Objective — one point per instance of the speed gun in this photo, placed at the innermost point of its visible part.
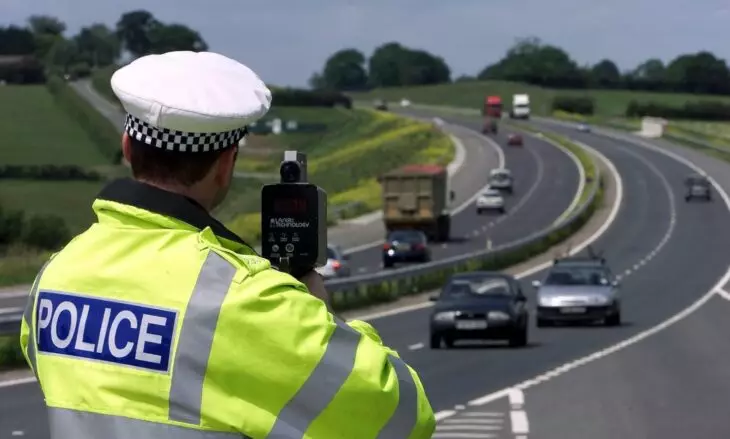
(294, 219)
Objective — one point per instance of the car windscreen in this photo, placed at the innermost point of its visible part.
(595, 276)
(484, 287)
(409, 237)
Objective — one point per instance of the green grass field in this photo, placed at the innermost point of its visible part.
(471, 95)
(34, 132)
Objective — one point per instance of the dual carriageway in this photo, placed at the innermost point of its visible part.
(645, 378)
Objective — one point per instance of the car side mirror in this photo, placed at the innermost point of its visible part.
(452, 195)
(433, 298)
(536, 283)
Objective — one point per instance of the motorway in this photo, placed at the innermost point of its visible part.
(668, 254)
(546, 182)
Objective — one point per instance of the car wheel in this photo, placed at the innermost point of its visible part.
(519, 339)
(542, 323)
(435, 341)
(448, 342)
(479, 211)
(687, 198)
(501, 210)
(614, 320)
(387, 264)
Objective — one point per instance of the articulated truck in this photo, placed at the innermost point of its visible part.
(417, 197)
(492, 112)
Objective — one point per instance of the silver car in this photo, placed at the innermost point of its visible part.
(578, 290)
(337, 265)
(501, 179)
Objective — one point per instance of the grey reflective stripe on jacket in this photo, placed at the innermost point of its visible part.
(74, 424)
(190, 367)
(28, 317)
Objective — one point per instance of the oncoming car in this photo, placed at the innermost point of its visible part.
(583, 127)
(698, 186)
(490, 199)
(479, 305)
(405, 246)
(501, 179)
(578, 290)
(337, 264)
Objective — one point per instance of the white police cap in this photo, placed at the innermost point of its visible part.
(189, 101)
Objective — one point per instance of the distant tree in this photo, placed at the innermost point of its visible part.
(652, 70)
(16, 40)
(134, 31)
(344, 70)
(393, 65)
(316, 81)
(531, 61)
(98, 45)
(701, 72)
(605, 74)
(166, 38)
(46, 25)
(48, 32)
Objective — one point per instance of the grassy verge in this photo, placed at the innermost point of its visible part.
(345, 161)
(471, 95)
(10, 354)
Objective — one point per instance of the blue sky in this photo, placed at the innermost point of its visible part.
(285, 41)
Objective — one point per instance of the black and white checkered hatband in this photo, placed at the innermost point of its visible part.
(181, 141)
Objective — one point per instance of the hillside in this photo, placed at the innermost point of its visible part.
(609, 103)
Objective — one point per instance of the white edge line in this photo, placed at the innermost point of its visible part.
(459, 146)
(530, 271)
(717, 288)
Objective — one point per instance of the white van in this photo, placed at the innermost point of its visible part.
(520, 106)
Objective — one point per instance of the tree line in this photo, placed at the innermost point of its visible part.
(30, 53)
(530, 61)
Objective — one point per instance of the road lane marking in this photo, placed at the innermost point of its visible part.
(416, 346)
(717, 289)
(520, 425)
(618, 202)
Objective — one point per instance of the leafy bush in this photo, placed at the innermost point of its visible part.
(293, 97)
(97, 127)
(574, 104)
(10, 353)
(48, 172)
(27, 70)
(48, 232)
(703, 110)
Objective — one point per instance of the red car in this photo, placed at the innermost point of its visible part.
(514, 139)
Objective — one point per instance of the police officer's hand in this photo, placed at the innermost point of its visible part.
(315, 285)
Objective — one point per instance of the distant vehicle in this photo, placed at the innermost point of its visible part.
(490, 199)
(583, 127)
(698, 186)
(337, 264)
(520, 106)
(405, 103)
(492, 112)
(501, 179)
(405, 246)
(482, 306)
(514, 139)
(417, 197)
(380, 105)
(578, 289)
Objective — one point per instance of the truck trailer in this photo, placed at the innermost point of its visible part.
(417, 197)
(492, 112)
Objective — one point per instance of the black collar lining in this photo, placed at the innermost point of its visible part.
(153, 199)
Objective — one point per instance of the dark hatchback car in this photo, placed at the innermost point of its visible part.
(405, 246)
(480, 306)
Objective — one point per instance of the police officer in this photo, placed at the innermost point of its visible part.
(158, 322)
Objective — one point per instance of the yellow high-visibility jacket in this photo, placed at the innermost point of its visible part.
(158, 322)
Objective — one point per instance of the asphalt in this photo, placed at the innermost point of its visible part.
(664, 267)
(546, 181)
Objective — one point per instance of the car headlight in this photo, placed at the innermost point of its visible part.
(445, 316)
(545, 301)
(498, 315)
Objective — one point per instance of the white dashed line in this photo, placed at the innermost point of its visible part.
(416, 346)
(519, 422)
(17, 433)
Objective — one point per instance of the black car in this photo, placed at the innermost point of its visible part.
(405, 246)
(698, 186)
(480, 306)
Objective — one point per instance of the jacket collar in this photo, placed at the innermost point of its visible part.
(147, 197)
